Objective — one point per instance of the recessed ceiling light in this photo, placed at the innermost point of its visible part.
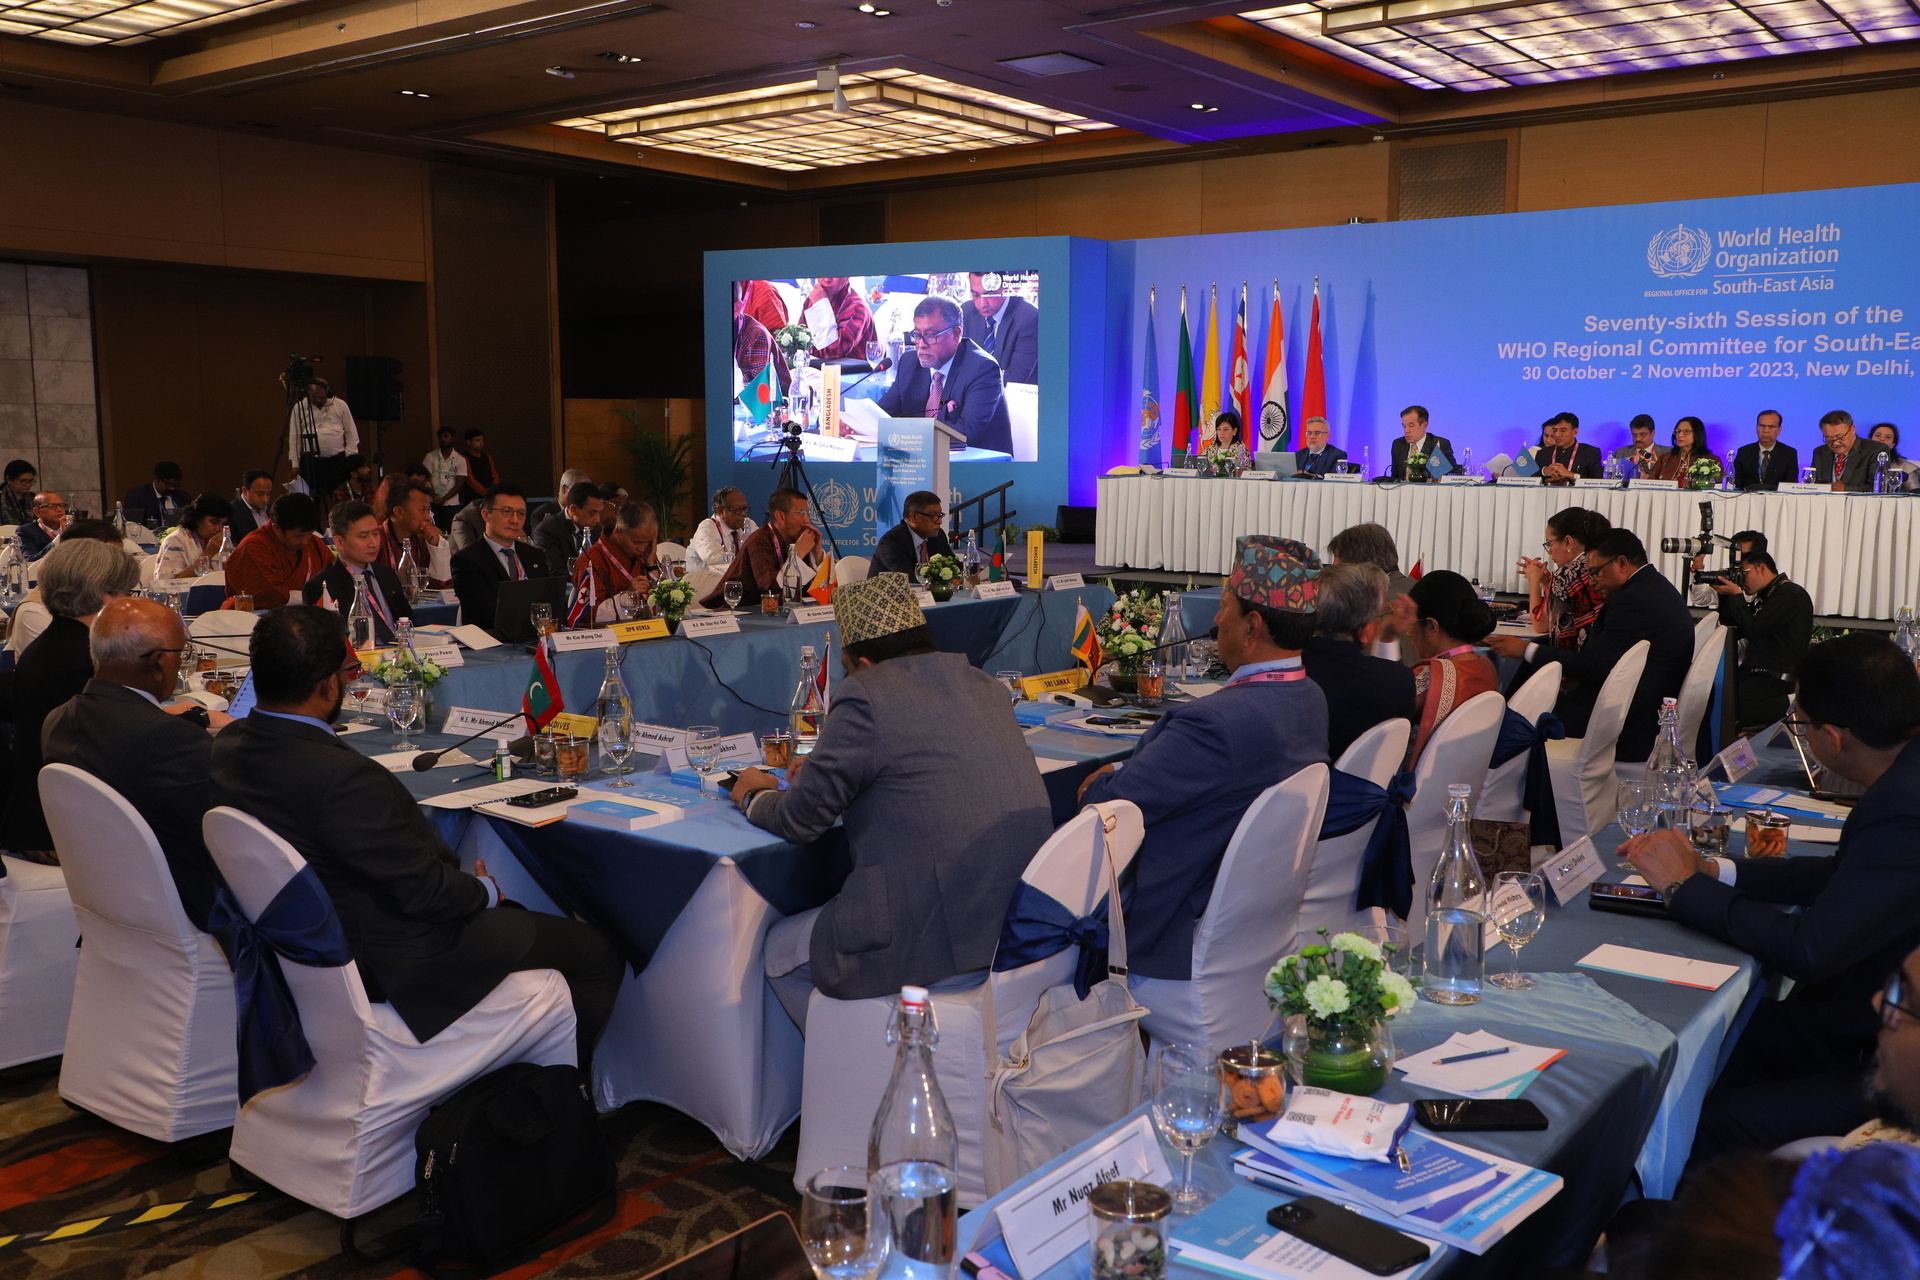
(806, 26)
(1201, 106)
(414, 93)
(878, 13)
(619, 57)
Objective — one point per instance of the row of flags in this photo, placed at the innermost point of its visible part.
(1195, 405)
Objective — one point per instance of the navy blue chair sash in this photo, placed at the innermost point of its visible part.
(300, 925)
(1386, 870)
(1037, 926)
(1516, 735)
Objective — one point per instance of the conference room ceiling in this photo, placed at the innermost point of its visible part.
(731, 91)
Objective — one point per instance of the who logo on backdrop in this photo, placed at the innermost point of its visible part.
(1679, 252)
(839, 502)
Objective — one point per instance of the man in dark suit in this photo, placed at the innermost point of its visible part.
(160, 502)
(906, 546)
(950, 379)
(430, 939)
(1006, 328)
(253, 508)
(1415, 440)
(50, 517)
(1773, 621)
(1640, 605)
(565, 535)
(1562, 458)
(1797, 1069)
(1191, 773)
(1316, 457)
(1766, 462)
(357, 567)
(931, 881)
(116, 730)
(478, 570)
(1859, 459)
(1350, 601)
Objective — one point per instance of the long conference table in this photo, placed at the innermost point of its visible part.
(1858, 554)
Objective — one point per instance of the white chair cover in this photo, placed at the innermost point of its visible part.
(1251, 920)
(1503, 798)
(851, 569)
(1334, 873)
(677, 550)
(848, 1060)
(1458, 752)
(341, 1139)
(1584, 788)
(1697, 691)
(225, 631)
(150, 1044)
(704, 581)
(1704, 628)
(217, 578)
(37, 961)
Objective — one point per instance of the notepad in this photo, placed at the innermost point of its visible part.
(1814, 835)
(402, 761)
(1503, 1075)
(1198, 690)
(1659, 966)
(1049, 765)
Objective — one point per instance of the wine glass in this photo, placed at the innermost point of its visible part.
(1519, 909)
(1639, 812)
(703, 748)
(615, 746)
(359, 690)
(403, 709)
(733, 593)
(542, 618)
(1012, 680)
(1189, 1102)
(843, 1237)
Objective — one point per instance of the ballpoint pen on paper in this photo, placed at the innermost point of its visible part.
(1469, 1057)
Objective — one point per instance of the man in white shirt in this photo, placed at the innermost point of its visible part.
(447, 472)
(320, 435)
(720, 536)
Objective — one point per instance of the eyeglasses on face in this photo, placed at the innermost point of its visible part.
(1893, 1001)
(149, 653)
(509, 513)
(921, 338)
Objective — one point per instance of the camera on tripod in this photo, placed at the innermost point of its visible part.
(1702, 544)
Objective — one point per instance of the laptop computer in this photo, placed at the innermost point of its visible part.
(513, 611)
(1280, 462)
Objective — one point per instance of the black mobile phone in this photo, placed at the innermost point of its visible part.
(1627, 899)
(551, 795)
(1463, 1114)
(1106, 720)
(1347, 1236)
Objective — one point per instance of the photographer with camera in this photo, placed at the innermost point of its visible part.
(1704, 582)
(1773, 620)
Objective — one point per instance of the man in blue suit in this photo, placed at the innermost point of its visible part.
(951, 380)
(1198, 769)
(1316, 457)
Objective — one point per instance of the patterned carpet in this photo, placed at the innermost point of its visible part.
(679, 1191)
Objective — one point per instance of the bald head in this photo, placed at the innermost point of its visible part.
(137, 643)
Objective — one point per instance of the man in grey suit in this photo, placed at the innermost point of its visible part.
(931, 879)
(1859, 459)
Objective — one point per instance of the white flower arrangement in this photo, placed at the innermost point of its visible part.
(1344, 979)
(671, 596)
(1131, 627)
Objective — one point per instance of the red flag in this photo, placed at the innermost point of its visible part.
(1240, 378)
(1313, 394)
(1418, 571)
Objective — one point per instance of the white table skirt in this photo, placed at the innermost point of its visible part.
(698, 1030)
(1857, 554)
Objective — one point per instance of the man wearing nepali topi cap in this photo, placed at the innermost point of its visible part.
(1198, 769)
(943, 804)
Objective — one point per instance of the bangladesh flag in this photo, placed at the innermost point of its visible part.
(1184, 402)
(997, 568)
(761, 395)
(543, 699)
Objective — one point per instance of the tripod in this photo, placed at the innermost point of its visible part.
(793, 475)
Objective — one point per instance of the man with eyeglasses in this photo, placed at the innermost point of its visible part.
(49, 517)
(919, 535)
(1894, 1089)
(720, 536)
(951, 379)
(501, 556)
(1796, 1070)
(156, 757)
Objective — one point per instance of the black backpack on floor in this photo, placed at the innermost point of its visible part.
(504, 1164)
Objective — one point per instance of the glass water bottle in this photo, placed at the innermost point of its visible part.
(1456, 911)
(808, 708)
(913, 1150)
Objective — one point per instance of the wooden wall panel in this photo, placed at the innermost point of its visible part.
(1857, 139)
(1121, 204)
(1678, 155)
(1295, 189)
(991, 209)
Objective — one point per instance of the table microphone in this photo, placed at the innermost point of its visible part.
(1213, 633)
(427, 759)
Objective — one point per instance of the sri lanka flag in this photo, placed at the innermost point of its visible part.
(542, 700)
(1086, 645)
(761, 395)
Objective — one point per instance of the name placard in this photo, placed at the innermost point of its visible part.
(736, 749)
(594, 638)
(1185, 472)
(1457, 477)
(1738, 759)
(1047, 1222)
(1530, 481)
(1258, 475)
(722, 624)
(578, 725)
(922, 597)
(808, 613)
(1590, 482)
(994, 591)
(1794, 486)
(647, 629)
(1345, 477)
(659, 736)
(1066, 581)
(830, 448)
(1037, 687)
(175, 586)
(1571, 870)
(465, 720)
(447, 655)
(1641, 482)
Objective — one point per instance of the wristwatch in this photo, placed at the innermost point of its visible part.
(1666, 890)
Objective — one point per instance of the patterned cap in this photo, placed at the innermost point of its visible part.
(1275, 572)
(877, 606)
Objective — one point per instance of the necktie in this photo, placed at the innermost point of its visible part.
(511, 563)
(923, 552)
(993, 322)
(1764, 455)
(934, 391)
(1839, 465)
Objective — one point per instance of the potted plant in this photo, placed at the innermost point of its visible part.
(670, 597)
(941, 574)
(1337, 996)
(1127, 632)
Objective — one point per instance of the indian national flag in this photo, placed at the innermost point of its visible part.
(1086, 645)
(543, 700)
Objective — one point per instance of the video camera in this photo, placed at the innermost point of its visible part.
(1703, 545)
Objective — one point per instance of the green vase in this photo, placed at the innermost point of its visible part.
(940, 591)
(1347, 1057)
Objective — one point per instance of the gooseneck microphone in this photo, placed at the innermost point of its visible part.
(427, 759)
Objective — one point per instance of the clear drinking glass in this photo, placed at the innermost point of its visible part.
(1189, 1102)
(1012, 680)
(615, 747)
(546, 755)
(1519, 909)
(1152, 683)
(1639, 812)
(1393, 944)
(542, 618)
(570, 751)
(703, 748)
(359, 691)
(733, 593)
(403, 709)
(843, 1236)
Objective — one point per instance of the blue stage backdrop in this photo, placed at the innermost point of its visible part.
(1801, 302)
(1075, 436)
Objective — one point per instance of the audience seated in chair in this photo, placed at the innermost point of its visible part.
(1450, 618)
(1196, 771)
(429, 938)
(1361, 690)
(931, 878)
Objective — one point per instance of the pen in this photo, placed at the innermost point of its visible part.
(1469, 1057)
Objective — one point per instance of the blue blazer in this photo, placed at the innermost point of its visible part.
(1193, 776)
(35, 540)
(974, 397)
(1305, 464)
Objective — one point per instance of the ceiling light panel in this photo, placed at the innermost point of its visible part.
(890, 115)
(120, 21)
(1435, 44)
